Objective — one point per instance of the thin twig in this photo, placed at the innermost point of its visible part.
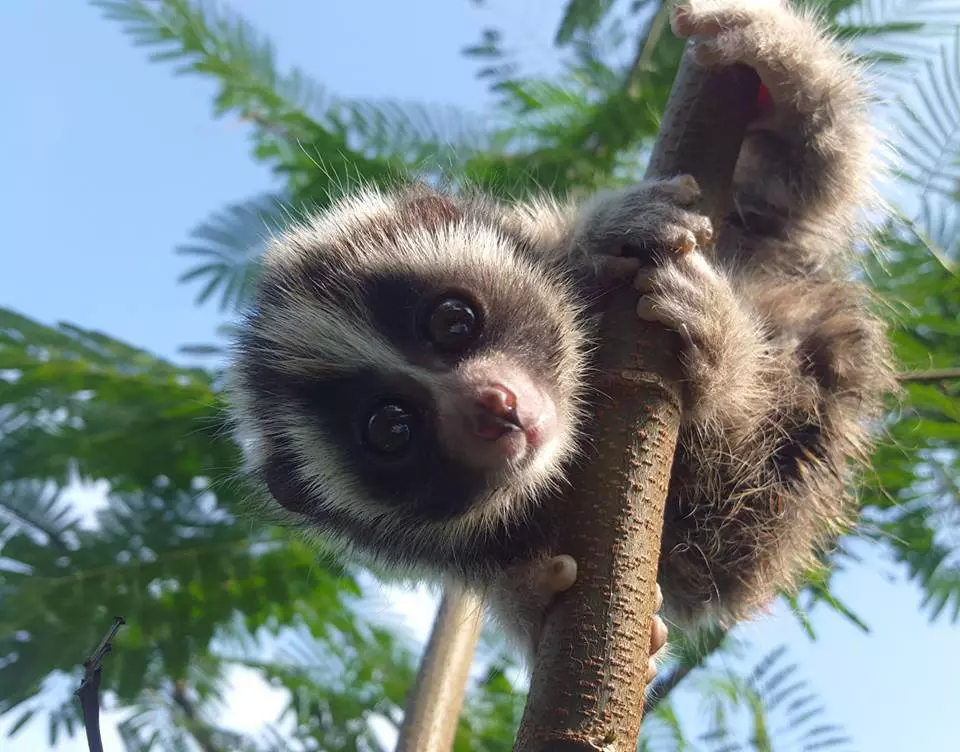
(646, 44)
(645, 47)
(89, 690)
(664, 685)
(934, 374)
(198, 730)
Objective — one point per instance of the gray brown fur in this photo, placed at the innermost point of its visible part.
(786, 367)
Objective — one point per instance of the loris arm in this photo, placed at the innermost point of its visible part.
(784, 364)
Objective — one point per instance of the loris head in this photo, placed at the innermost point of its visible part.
(408, 379)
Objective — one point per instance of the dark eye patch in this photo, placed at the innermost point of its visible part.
(508, 543)
(425, 480)
(513, 319)
(395, 304)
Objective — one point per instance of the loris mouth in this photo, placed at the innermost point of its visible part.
(496, 414)
(493, 427)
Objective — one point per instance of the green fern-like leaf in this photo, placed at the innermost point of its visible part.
(770, 708)
(228, 246)
(931, 124)
(314, 139)
(36, 507)
(580, 15)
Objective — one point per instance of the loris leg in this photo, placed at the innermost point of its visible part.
(521, 597)
(753, 493)
(773, 409)
(805, 165)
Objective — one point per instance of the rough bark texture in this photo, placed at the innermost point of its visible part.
(587, 688)
(433, 707)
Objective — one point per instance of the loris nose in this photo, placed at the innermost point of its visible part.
(497, 413)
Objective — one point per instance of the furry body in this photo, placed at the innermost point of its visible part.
(785, 368)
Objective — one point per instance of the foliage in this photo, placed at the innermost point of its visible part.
(204, 592)
(769, 708)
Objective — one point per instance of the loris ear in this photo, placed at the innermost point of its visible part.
(423, 206)
(431, 211)
(281, 480)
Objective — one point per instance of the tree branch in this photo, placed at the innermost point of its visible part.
(934, 374)
(645, 47)
(588, 684)
(433, 708)
(89, 691)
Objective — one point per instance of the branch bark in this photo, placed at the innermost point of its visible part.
(587, 689)
(433, 707)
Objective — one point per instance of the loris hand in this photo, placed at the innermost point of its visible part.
(620, 232)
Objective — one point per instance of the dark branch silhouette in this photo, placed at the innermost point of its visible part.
(89, 690)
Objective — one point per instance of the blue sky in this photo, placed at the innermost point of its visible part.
(109, 161)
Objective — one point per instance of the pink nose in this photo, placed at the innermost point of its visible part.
(496, 413)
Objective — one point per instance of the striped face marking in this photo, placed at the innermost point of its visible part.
(406, 367)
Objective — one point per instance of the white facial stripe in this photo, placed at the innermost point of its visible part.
(313, 339)
(330, 226)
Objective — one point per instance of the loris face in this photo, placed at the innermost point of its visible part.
(408, 379)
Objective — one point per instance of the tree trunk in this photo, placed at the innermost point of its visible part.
(588, 684)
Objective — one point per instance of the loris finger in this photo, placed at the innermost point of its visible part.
(776, 44)
(611, 270)
(701, 18)
(658, 640)
(683, 188)
(556, 575)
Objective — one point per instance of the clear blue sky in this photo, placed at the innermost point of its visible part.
(109, 161)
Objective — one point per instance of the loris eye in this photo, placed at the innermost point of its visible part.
(453, 324)
(390, 429)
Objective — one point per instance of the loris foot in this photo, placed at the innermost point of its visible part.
(624, 230)
(658, 641)
(560, 572)
(763, 34)
(723, 343)
(554, 576)
(521, 597)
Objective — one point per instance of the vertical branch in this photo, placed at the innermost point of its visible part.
(587, 689)
(433, 708)
(89, 691)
